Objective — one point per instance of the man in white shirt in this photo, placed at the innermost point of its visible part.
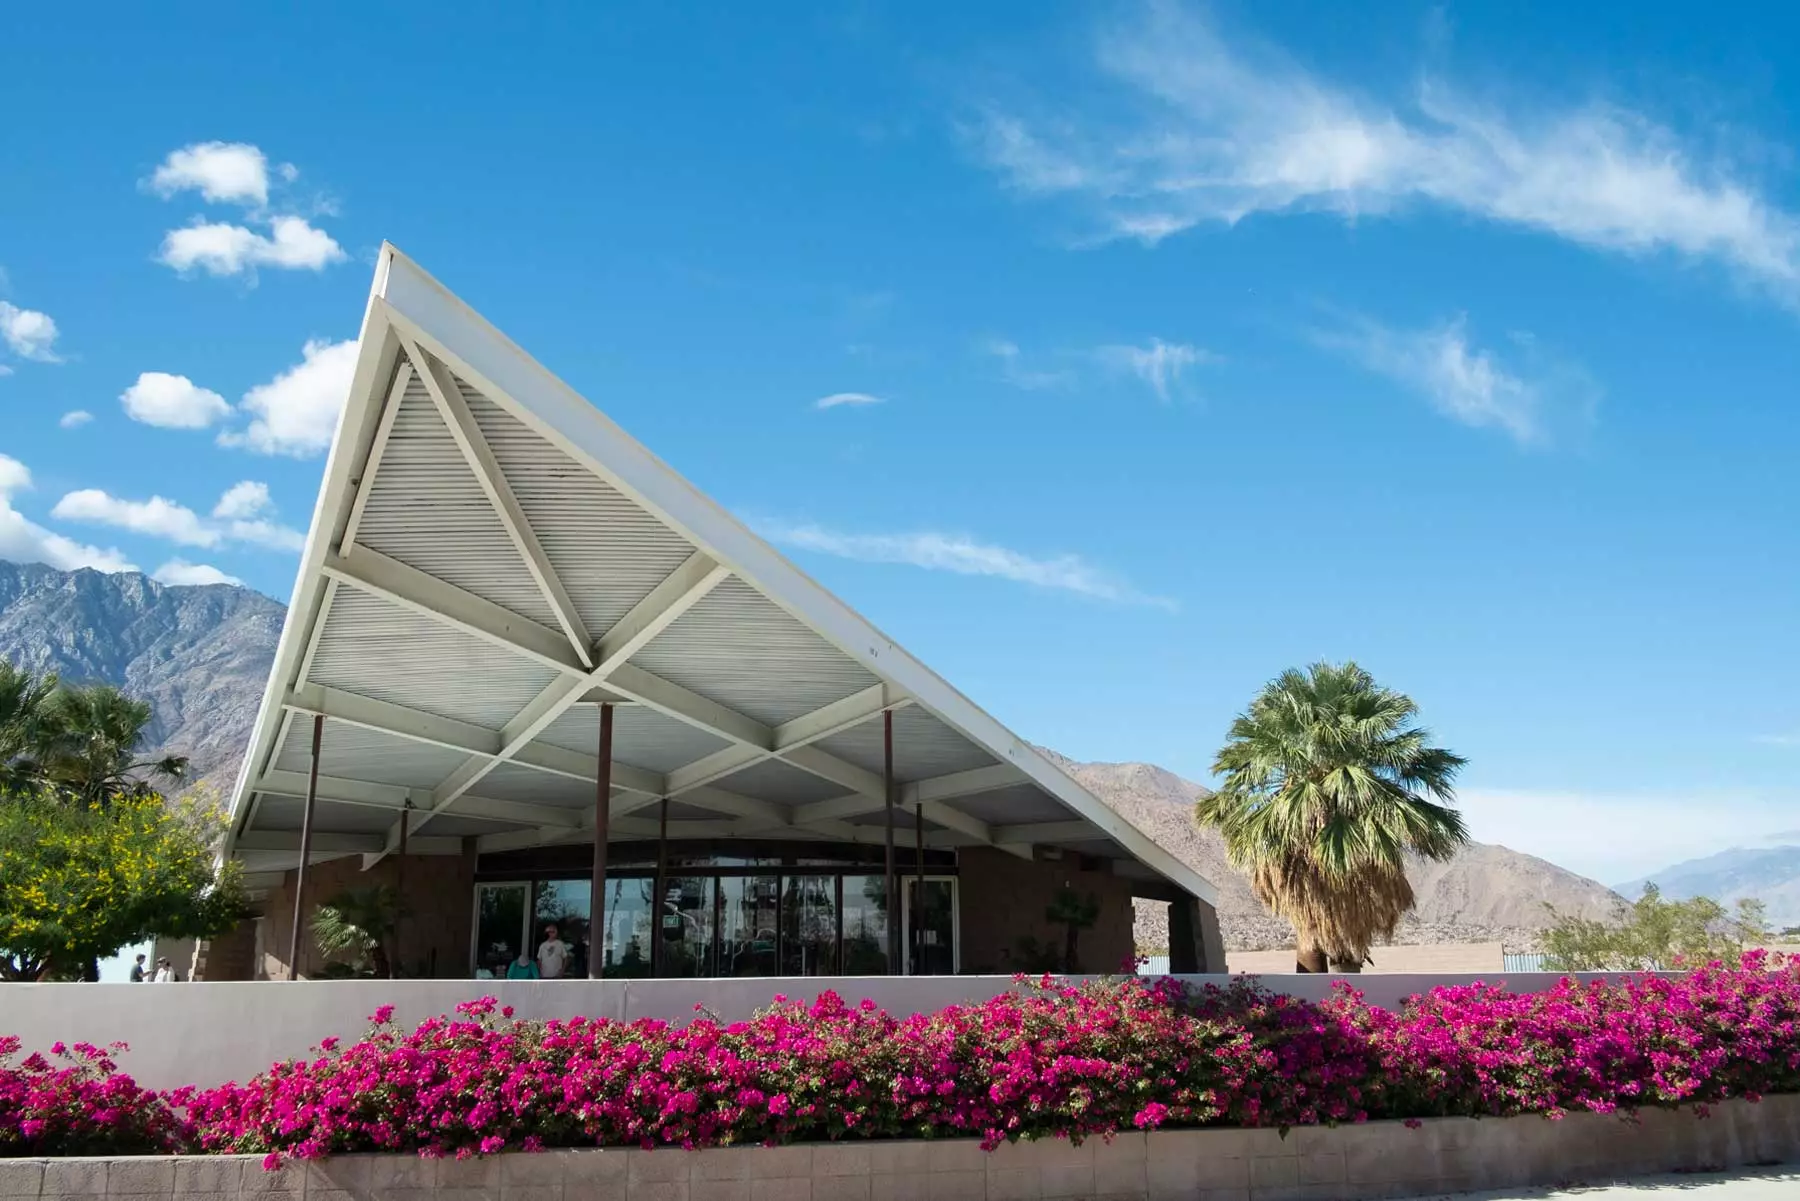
(165, 972)
(552, 955)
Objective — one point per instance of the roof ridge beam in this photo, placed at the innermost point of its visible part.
(474, 446)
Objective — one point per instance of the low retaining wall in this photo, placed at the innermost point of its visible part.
(1346, 1163)
(208, 1033)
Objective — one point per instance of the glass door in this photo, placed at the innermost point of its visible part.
(809, 926)
(687, 922)
(748, 907)
(500, 927)
(930, 938)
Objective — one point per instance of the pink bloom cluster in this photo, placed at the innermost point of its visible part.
(75, 1101)
(1046, 1060)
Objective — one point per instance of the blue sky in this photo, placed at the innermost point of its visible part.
(1169, 345)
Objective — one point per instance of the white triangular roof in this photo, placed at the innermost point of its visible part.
(490, 555)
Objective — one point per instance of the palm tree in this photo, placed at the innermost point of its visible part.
(88, 740)
(1328, 787)
(22, 702)
(363, 922)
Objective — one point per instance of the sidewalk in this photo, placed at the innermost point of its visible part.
(1748, 1184)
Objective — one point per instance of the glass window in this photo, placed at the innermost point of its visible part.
(865, 926)
(809, 927)
(687, 926)
(747, 925)
(627, 942)
(560, 928)
(500, 927)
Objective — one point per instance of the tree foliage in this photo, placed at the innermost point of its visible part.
(80, 879)
(360, 924)
(1655, 935)
(1328, 787)
(79, 741)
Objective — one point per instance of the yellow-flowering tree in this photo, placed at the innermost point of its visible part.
(80, 879)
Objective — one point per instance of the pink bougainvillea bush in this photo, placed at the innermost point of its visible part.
(1045, 1060)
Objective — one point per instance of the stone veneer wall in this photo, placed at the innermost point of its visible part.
(1003, 899)
(440, 901)
(1313, 1163)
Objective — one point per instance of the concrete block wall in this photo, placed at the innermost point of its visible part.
(1003, 899)
(440, 900)
(1347, 1163)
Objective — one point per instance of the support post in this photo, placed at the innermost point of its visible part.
(400, 892)
(660, 897)
(306, 823)
(894, 907)
(918, 901)
(602, 820)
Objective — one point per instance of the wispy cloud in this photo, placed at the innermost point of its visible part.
(74, 419)
(1014, 370)
(840, 399)
(24, 541)
(28, 333)
(1527, 397)
(237, 173)
(964, 555)
(1197, 129)
(1159, 364)
(180, 571)
(1790, 739)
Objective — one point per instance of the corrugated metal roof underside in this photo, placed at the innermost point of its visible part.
(773, 780)
(641, 737)
(923, 746)
(377, 649)
(740, 649)
(607, 551)
(426, 509)
(355, 753)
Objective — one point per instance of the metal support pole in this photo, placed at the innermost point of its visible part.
(400, 889)
(660, 898)
(918, 903)
(312, 797)
(893, 891)
(602, 822)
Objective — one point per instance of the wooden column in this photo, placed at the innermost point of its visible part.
(306, 823)
(602, 821)
(894, 907)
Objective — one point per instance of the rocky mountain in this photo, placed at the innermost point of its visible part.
(1769, 873)
(199, 654)
(1486, 894)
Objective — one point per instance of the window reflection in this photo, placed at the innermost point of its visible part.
(865, 926)
(747, 925)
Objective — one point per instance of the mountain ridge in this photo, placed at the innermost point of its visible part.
(1769, 873)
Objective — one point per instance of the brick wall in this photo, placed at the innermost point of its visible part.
(230, 956)
(434, 938)
(1004, 898)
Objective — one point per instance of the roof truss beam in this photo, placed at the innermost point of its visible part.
(448, 398)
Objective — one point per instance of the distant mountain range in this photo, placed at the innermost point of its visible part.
(1769, 873)
(201, 655)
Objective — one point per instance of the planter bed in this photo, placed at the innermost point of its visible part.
(1343, 1163)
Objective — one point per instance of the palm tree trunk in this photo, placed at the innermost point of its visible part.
(1310, 958)
(1347, 966)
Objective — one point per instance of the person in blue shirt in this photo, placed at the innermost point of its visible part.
(523, 968)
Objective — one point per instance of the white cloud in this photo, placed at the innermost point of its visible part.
(173, 402)
(296, 413)
(156, 517)
(244, 514)
(1014, 371)
(74, 419)
(1469, 384)
(232, 172)
(28, 333)
(24, 541)
(1200, 131)
(1159, 364)
(964, 556)
(220, 248)
(846, 398)
(1613, 838)
(244, 499)
(180, 571)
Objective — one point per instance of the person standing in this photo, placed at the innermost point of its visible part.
(165, 972)
(137, 969)
(523, 968)
(552, 955)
